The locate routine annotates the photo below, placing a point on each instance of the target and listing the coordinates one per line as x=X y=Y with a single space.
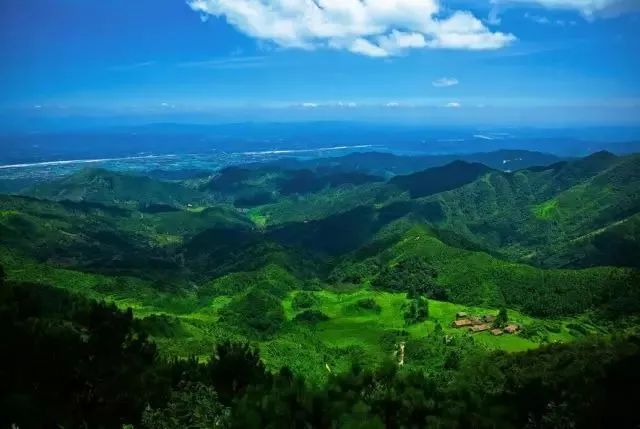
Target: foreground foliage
x=101 y=372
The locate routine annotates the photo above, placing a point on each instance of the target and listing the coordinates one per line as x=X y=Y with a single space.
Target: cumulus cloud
x=588 y=8
x=376 y=28
x=392 y=104
x=444 y=82
x=453 y=105
x=309 y=105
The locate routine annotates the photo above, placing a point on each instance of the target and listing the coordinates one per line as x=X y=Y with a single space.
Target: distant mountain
x=533 y=213
x=103 y=186
x=440 y=179
x=558 y=215
x=567 y=214
x=248 y=187
x=389 y=164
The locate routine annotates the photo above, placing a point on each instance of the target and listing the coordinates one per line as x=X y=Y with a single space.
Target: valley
x=320 y=214
x=194 y=257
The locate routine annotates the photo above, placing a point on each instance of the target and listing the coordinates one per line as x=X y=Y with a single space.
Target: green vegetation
x=546 y=216
x=106 y=187
x=345 y=286
x=417 y=310
x=413 y=276
x=303 y=300
x=102 y=372
x=257 y=313
x=547 y=209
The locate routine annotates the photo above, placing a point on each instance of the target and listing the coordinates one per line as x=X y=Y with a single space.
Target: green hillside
x=250 y=187
x=335 y=276
x=440 y=179
x=530 y=214
x=107 y=187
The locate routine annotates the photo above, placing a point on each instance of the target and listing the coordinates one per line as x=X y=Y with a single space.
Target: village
x=485 y=322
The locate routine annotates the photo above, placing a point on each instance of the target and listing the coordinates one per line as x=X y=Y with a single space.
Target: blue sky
x=547 y=62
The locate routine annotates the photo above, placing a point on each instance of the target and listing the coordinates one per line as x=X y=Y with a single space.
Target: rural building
x=496 y=332
x=461 y=323
x=461 y=315
x=510 y=329
x=476 y=320
x=480 y=328
x=489 y=318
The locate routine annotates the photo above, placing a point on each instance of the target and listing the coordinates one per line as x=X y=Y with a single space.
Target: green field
x=349 y=334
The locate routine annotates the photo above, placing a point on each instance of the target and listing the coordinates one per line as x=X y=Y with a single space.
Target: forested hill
x=550 y=216
x=340 y=279
x=440 y=179
x=576 y=213
x=103 y=186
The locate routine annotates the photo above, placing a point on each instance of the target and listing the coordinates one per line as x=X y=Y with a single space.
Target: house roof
x=478 y=328
x=511 y=328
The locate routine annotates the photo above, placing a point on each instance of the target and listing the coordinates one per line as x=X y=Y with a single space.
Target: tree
x=258 y=313
x=413 y=276
x=234 y=367
x=2 y=276
x=303 y=300
x=501 y=319
x=417 y=310
x=99 y=371
x=193 y=405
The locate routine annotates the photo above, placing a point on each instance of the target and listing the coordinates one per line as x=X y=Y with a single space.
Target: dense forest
x=364 y=291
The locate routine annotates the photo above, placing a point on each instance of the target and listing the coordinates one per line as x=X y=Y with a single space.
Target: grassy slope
x=477 y=278
x=348 y=335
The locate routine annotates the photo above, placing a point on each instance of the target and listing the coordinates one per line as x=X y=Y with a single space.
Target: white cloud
x=392 y=104
x=365 y=47
x=464 y=31
x=347 y=104
x=537 y=19
x=444 y=82
x=376 y=28
x=453 y=105
x=482 y=137
x=309 y=105
x=135 y=66
x=588 y=8
x=231 y=62
x=398 y=41
x=543 y=20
